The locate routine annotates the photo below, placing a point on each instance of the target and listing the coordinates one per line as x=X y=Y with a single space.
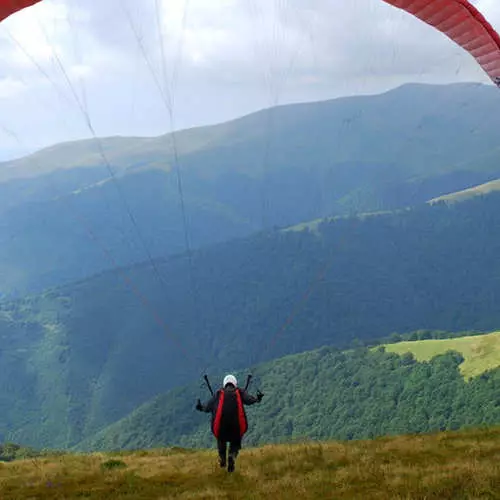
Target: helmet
x=230 y=379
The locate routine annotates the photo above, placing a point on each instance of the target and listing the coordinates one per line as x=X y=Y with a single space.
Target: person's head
x=229 y=380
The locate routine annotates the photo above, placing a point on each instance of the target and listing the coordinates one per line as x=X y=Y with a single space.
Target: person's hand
x=199 y=406
x=259 y=396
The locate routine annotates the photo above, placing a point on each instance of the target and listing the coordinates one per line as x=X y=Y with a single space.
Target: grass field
x=480 y=352
x=459 y=465
x=466 y=194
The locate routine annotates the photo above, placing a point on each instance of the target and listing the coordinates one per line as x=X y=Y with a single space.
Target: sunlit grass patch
x=480 y=352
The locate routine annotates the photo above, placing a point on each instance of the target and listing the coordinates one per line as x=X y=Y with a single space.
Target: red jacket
x=229 y=420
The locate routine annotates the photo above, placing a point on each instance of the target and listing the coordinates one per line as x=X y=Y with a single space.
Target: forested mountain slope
x=65 y=210
x=325 y=394
x=80 y=357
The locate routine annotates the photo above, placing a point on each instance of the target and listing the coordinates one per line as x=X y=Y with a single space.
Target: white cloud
x=38 y=30
x=229 y=56
x=9 y=88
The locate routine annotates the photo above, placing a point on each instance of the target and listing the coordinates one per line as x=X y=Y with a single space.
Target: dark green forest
x=78 y=358
x=325 y=394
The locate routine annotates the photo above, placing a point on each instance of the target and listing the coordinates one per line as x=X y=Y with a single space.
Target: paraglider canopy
x=460 y=21
x=8 y=7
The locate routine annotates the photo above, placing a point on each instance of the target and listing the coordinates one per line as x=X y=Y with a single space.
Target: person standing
x=229 y=420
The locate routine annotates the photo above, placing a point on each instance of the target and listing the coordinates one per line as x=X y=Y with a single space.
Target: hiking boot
x=222 y=461
x=230 y=464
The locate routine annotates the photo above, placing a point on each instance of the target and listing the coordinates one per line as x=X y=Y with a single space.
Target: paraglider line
x=114 y=264
x=79 y=217
x=168 y=101
x=106 y=162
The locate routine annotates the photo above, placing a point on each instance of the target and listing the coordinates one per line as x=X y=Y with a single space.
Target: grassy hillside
x=449 y=465
x=480 y=353
x=347 y=128
x=465 y=194
x=347 y=155
x=123 y=153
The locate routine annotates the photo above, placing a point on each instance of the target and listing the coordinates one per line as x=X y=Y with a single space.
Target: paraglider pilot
x=229 y=421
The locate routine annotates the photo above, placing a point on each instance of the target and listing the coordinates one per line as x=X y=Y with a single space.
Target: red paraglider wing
x=8 y=7
x=464 y=24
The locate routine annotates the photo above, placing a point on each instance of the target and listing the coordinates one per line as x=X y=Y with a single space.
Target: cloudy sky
x=71 y=68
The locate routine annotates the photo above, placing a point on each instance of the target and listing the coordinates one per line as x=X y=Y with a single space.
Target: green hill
x=78 y=358
x=449 y=465
x=329 y=394
x=59 y=208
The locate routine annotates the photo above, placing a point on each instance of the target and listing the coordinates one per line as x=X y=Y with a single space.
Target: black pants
x=234 y=448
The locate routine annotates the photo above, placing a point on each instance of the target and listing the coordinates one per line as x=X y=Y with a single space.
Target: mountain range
x=76 y=209
x=311 y=232
x=82 y=356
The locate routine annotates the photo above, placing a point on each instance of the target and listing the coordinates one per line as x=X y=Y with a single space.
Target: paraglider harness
x=242 y=421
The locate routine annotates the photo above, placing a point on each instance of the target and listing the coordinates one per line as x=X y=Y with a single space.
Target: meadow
x=481 y=353
x=454 y=465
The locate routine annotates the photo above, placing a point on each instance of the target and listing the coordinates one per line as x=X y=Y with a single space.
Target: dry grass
x=460 y=465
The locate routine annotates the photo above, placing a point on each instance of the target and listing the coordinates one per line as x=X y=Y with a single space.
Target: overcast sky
x=129 y=67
